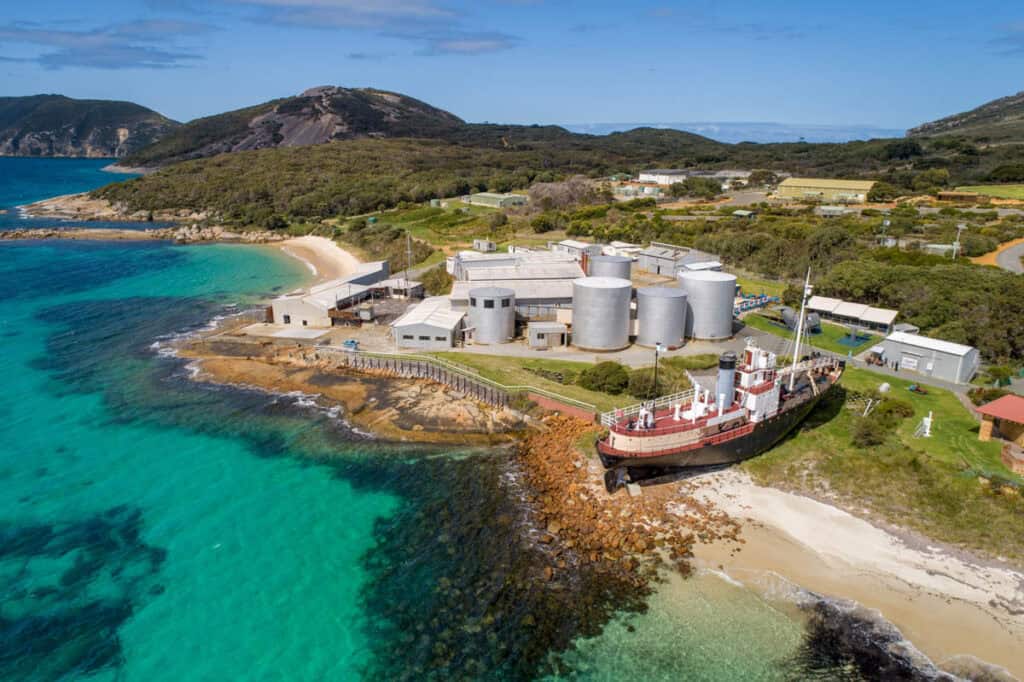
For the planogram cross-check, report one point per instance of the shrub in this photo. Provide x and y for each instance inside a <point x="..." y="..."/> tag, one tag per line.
<point x="982" y="395"/>
<point x="606" y="377"/>
<point x="641" y="383"/>
<point x="869" y="432"/>
<point x="437" y="281"/>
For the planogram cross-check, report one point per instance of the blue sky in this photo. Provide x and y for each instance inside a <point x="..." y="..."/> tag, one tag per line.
<point x="891" y="64"/>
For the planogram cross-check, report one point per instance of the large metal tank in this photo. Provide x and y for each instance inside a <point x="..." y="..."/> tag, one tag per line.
<point x="661" y="314"/>
<point x="709" y="303"/>
<point x="492" y="314"/>
<point x="611" y="266"/>
<point x="600" y="313"/>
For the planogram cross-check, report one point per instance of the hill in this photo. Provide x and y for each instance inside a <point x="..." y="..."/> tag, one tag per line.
<point x="54" y="125"/>
<point x="1001" y="120"/>
<point x="316" y="116"/>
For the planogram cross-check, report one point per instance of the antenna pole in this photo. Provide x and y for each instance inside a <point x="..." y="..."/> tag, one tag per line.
<point x="800" y="329"/>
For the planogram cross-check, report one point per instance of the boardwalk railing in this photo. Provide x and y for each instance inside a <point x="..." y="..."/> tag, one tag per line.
<point x="457" y="376"/>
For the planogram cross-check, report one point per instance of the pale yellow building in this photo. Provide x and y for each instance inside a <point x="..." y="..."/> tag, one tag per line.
<point x="824" y="190"/>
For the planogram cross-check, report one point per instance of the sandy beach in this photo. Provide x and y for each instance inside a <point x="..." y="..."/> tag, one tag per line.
<point x="324" y="258"/>
<point x="945" y="602"/>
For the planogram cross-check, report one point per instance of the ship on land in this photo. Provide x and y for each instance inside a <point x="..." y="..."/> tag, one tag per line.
<point x="748" y="407"/>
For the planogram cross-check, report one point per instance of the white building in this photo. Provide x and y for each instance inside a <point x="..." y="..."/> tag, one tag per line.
<point x="431" y="325"/>
<point x="663" y="176"/>
<point x="313" y="308"/>
<point x="575" y="248"/>
<point x="846" y="312"/>
<point x="945" y="360"/>
<point x="624" y="249"/>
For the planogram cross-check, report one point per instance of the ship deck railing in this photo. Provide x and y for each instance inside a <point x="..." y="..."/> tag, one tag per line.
<point x="696" y="445"/>
<point x="614" y="417"/>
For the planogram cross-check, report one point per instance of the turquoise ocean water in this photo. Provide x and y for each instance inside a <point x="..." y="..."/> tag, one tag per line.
<point x="153" y="528"/>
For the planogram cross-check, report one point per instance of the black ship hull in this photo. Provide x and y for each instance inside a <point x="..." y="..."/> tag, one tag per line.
<point x="765" y="435"/>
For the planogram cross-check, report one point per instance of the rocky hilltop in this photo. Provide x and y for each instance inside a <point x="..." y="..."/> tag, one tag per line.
<point x="320" y="114"/>
<point x="58" y="126"/>
<point x="999" y="120"/>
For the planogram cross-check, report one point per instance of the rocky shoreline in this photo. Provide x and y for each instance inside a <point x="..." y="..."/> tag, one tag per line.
<point x="185" y="234"/>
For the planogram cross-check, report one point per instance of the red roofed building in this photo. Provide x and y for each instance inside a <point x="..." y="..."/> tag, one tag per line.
<point x="1005" y="418"/>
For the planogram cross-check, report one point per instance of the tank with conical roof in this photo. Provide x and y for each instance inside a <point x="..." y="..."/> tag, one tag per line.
<point x="710" y="297"/>
<point x="661" y="316"/>
<point x="600" y="313"/>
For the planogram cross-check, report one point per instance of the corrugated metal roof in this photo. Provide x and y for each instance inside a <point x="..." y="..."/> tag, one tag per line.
<point x="526" y="290"/>
<point x="847" y="309"/>
<point x="435" y="312"/>
<point x="827" y="183"/>
<point x="880" y="316"/>
<point x="823" y="304"/>
<point x="527" y="271"/>
<point x="929" y="343"/>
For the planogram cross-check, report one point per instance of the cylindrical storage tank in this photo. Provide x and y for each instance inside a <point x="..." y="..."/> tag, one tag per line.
<point x="709" y="303"/>
<point x="661" y="316"/>
<point x="611" y="266"/>
<point x="492" y="314"/>
<point x="600" y="313"/>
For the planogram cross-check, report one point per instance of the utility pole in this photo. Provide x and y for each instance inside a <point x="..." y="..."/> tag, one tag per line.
<point x="408" y="261"/>
<point x="800" y="329"/>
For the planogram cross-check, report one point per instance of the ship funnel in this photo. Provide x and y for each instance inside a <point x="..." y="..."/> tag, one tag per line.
<point x="727" y="378"/>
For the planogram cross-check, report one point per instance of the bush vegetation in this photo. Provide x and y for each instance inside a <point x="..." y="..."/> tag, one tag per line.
<point x="605" y="377"/>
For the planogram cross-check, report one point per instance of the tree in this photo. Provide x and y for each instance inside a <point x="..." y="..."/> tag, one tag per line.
<point x="437" y="281"/>
<point x="641" y="383"/>
<point x="762" y="178"/>
<point x="883" y="191"/>
<point x="903" y="149"/>
<point x="497" y="221"/>
<point x="703" y="188"/>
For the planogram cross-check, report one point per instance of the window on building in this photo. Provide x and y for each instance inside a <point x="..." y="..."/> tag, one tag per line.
<point x="488" y="304"/>
<point x="287" y="319"/>
<point x="304" y="323"/>
<point x="440" y="338"/>
<point x="407" y="337"/>
<point x="472" y="302"/>
<point x="424" y="338"/>
<point x="505" y="303"/>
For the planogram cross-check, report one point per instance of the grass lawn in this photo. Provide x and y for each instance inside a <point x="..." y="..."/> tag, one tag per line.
<point x="749" y="285"/>
<point x="929" y="484"/>
<point x="998" y="191"/>
<point x="828" y="339"/>
<point x="516" y="371"/>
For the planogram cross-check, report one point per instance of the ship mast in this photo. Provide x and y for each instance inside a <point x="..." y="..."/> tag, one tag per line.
<point x="800" y="329"/>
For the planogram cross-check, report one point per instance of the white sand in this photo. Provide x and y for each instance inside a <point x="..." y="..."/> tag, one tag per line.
<point x="325" y="259"/>
<point x="944" y="603"/>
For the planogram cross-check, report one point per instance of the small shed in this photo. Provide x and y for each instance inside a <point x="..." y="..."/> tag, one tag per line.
<point x="546" y="334"/>
<point x="744" y="213"/>
<point x="1003" y="417"/>
<point x="945" y="360"/>
<point x="484" y="245"/>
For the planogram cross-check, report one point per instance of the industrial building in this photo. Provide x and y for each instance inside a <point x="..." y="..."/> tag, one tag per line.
<point x="669" y="259"/>
<point x="709" y="303"/>
<point x="945" y="360"/>
<point x="319" y="306"/>
<point x="575" y="248"/>
<point x="541" y="335"/>
<point x="845" y="312"/>
<point x="533" y="299"/>
<point x="430" y="325"/>
<point x="398" y="287"/>
<point x="460" y="265"/>
<point x="662" y="176"/>
<point x="495" y="200"/>
<point x="492" y="315"/>
<point x="661" y="316"/>
<point x="825" y="190"/>
<point x="600" y="313"/>
<point x="616" y="248"/>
